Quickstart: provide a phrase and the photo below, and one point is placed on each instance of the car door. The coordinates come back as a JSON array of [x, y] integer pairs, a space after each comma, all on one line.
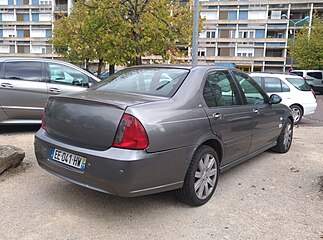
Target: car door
[[267, 118], [229, 119], [23, 93], [64, 79], [274, 85]]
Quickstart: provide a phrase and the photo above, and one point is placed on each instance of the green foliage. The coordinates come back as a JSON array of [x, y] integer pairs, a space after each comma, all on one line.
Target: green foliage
[[122, 31], [307, 48]]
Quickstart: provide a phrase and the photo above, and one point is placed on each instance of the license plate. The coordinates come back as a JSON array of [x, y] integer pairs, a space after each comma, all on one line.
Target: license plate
[[68, 158]]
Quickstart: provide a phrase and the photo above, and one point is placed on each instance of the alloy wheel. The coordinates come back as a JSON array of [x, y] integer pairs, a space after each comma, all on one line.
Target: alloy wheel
[[296, 114], [205, 176], [287, 136]]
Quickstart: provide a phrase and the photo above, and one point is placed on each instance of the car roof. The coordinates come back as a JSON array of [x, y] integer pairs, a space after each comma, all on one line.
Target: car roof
[[307, 70], [279, 75], [183, 66], [3, 59]]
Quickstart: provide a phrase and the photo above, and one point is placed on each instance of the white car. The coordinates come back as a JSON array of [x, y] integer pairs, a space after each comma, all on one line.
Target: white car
[[294, 91]]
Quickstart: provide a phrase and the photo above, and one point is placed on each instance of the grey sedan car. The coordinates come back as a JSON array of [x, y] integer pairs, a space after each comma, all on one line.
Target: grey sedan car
[[26, 83], [150, 129]]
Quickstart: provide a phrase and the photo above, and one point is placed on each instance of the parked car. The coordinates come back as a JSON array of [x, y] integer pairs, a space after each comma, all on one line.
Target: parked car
[[150, 129], [313, 77], [293, 90], [104, 75], [26, 83]]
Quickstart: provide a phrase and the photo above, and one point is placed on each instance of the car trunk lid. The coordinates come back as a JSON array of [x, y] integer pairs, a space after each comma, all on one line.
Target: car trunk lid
[[89, 119]]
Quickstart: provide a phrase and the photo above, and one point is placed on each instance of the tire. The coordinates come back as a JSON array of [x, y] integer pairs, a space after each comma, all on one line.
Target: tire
[[285, 138], [297, 113], [198, 174]]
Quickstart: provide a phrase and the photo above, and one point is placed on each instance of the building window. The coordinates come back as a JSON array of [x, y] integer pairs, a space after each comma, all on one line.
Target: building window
[[210, 34], [246, 34]]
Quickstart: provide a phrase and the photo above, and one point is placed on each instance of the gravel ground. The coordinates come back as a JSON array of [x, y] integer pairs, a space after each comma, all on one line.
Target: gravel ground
[[272, 196]]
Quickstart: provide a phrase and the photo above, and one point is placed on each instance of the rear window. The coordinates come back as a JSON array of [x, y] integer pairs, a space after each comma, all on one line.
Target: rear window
[[299, 83], [149, 81], [298, 73], [317, 75]]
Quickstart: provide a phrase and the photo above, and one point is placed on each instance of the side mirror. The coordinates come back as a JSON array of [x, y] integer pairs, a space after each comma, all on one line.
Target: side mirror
[[90, 84], [275, 99]]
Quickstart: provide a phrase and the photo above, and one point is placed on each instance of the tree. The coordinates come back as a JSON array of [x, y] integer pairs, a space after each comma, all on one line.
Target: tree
[[122, 31], [307, 48]]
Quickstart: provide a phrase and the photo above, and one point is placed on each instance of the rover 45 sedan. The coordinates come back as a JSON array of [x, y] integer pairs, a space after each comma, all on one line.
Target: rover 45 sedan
[[154, 128]]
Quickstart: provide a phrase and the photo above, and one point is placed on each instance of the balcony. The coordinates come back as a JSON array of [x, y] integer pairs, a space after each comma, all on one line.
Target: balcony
[[60, 8]]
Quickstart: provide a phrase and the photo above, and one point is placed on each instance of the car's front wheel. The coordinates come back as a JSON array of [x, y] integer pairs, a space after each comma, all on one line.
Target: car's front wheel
[[201, 177]]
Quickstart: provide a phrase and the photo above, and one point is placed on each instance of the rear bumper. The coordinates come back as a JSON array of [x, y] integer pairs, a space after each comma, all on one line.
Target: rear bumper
[[309, 108], [120, 172]]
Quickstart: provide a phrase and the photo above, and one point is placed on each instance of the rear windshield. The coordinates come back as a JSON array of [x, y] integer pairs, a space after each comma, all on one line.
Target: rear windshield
[[149, 81], [298, 73], [299, 83]]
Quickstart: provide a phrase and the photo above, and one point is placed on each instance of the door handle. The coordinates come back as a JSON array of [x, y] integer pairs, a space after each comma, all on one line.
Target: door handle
[[217, 115], [255, 110], [6, 85], [55, 90]]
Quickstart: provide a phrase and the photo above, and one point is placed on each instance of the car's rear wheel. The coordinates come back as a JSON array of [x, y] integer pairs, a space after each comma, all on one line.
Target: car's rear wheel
[[297, 113], [285, 138], [201, 177]]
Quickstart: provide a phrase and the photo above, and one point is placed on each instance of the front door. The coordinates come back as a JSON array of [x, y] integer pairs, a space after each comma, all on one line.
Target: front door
[[64, 79], [267, 121], [229, 119]]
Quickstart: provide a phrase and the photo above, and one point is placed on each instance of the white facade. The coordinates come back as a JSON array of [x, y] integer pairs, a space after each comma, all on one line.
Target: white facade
[[8, 17], [209, 15], [4, 49], [257, 15], [9, 33], [38, 33], [3, 2], [45, 17]]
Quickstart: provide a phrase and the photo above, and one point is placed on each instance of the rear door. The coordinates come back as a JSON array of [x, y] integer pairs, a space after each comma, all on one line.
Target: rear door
[[315, 79], [229, 119], [274, 85], [23, 93], [64, 79], [267, 120]]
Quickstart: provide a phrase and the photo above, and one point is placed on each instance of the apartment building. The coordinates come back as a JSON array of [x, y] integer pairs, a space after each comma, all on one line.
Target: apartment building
[[27, 25], [253, 34]]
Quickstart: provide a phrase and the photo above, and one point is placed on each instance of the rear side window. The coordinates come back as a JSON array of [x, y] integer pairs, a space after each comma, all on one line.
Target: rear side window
[[298, 73], [317, 75], [257, 79], [273, 84], [23, 70], [219, 90], [149, 81], [299, 83], [61, 74]]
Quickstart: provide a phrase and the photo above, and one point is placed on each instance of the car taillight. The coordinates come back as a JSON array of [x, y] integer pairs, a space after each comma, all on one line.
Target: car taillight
[[313, 92], [131, 134], [43, 123]]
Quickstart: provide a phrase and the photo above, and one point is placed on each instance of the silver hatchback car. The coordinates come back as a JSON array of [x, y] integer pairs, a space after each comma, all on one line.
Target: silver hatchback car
[[157, 128], [26, 83]]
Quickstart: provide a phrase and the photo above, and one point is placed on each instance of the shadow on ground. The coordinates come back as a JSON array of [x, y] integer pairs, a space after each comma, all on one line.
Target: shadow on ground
[[12, 129]]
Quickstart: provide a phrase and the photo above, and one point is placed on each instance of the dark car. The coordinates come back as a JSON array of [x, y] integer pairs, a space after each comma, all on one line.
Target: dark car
[[26, 83], [158, 128]]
